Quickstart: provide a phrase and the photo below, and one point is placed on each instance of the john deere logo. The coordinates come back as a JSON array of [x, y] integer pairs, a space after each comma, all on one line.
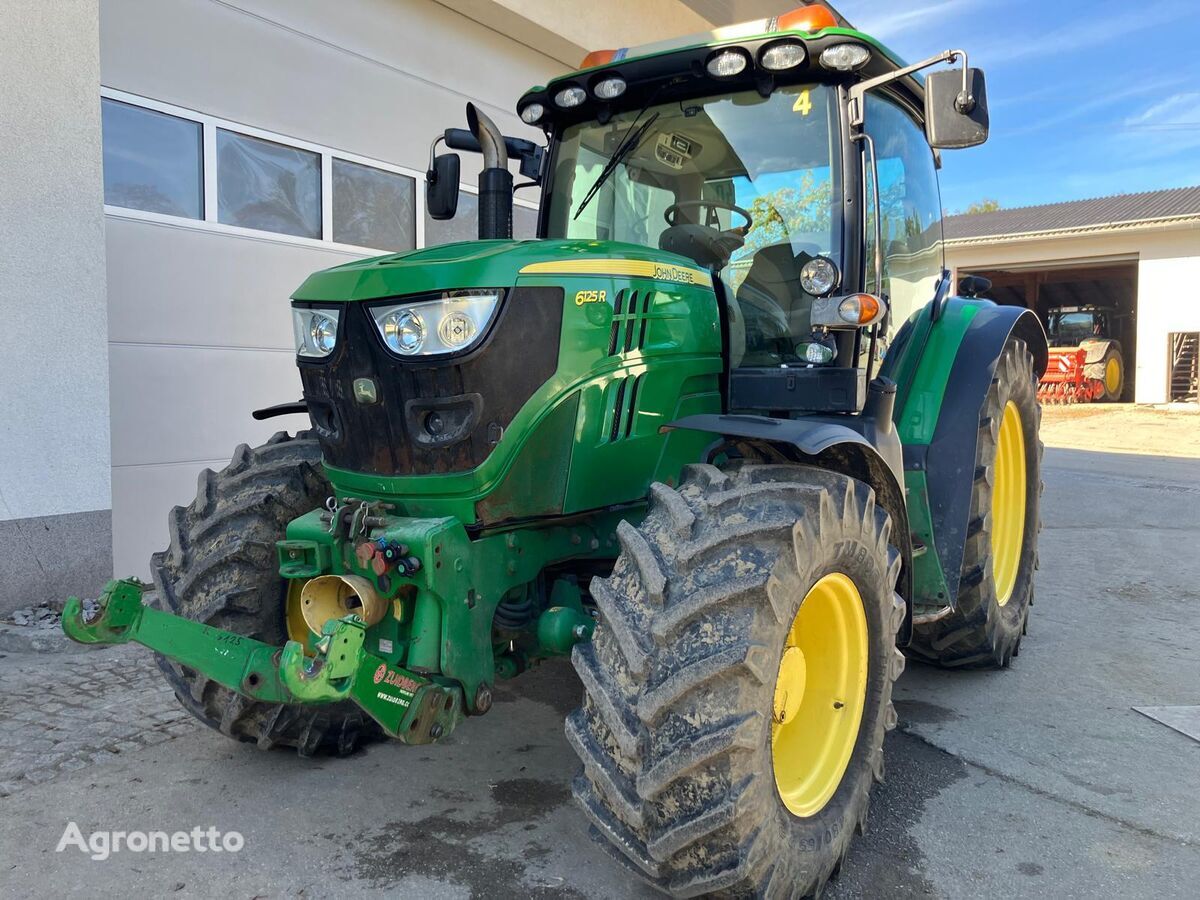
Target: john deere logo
[[673, 273], [590, 297], [364, 390]]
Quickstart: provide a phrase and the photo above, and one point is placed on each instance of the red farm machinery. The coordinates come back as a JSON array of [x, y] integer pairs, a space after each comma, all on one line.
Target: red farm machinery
[[1085, 363]]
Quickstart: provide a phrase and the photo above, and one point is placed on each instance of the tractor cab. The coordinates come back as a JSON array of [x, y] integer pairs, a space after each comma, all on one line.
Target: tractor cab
[[790, 158], [1070, 326]]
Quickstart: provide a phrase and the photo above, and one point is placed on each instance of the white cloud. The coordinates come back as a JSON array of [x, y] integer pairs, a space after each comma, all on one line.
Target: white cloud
[[893, 23], [1102, 25], [1178, 112], [1068, 107]]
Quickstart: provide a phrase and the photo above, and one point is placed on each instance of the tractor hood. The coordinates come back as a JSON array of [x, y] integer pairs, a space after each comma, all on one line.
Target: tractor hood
[[492, 264]]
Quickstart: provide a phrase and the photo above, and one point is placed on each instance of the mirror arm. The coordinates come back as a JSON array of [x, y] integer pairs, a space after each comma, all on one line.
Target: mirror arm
[[433, 152], [964, 102]]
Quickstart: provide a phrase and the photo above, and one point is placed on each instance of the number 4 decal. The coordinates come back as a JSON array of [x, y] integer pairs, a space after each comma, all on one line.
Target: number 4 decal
[[803, 104]]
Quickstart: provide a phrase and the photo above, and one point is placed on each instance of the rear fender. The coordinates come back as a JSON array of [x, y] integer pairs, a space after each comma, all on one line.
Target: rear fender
[[943, 369], [1098, 348], [857, 446]]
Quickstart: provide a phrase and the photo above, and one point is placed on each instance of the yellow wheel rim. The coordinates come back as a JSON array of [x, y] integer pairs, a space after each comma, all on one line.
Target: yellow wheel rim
[[820, 693], [297, 630], [1112, 375], [1008, 503]]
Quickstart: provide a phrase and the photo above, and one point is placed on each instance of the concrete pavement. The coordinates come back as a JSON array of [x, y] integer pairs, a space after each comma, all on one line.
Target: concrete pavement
[[1039, 781]]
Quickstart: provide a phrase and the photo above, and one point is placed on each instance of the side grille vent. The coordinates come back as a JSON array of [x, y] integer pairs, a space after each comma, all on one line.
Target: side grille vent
[[624, 408], [630, 318]]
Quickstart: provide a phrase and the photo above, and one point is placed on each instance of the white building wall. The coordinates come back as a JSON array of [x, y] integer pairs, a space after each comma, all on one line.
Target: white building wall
[[1168, 300], [200, 322], [1168, 260], [54, 441]]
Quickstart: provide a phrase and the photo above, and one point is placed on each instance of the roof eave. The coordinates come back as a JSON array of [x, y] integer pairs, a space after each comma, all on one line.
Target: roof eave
[[1157, 224]]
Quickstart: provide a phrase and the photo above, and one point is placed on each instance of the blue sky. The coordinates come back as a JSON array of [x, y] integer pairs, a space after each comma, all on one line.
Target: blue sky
[[1087, 98]]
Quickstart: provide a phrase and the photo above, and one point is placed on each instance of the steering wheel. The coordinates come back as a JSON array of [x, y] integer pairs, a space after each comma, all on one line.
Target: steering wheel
[[672, 212]]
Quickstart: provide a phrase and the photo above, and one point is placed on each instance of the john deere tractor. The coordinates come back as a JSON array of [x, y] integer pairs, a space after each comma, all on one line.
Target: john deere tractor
[[723, 433]]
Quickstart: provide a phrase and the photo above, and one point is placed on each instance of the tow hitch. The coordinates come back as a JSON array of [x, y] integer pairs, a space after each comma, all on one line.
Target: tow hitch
[[408, 706]]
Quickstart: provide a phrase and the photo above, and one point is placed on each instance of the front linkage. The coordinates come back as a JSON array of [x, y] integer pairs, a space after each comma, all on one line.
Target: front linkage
[[401, 611], [408, 706]]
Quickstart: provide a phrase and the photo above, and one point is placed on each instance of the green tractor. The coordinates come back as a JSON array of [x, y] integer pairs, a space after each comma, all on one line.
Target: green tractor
[[724, 434]]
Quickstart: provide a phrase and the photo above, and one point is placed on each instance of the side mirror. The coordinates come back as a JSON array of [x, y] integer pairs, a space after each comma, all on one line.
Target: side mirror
[[973, 285], [441, 186], [956, 114]]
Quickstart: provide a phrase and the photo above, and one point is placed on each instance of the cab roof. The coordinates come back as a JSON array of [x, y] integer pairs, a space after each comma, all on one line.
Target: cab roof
[[679, 64]]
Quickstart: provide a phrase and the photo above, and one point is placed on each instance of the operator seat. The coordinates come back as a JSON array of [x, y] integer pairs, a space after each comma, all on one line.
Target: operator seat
[[774, 304]]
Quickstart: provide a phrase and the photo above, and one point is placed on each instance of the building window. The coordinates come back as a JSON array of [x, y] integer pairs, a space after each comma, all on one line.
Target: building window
[[373, 208], [164, 160], [152, 161], [463, 227], [524, 223], [268, 186], [465, 224]]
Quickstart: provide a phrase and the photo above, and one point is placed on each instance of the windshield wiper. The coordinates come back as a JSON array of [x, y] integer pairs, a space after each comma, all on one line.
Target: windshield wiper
[[627, 146]]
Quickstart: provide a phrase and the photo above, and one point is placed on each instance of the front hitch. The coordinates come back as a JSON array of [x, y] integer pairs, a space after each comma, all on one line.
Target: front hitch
[[406, 705]]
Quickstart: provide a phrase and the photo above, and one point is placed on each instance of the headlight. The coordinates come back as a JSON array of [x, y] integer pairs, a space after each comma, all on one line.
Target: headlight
[[818, 276], [315, 330], [570, 96], [726, 63], [403, 331], [781, 56], [610, 88], [449, 324], [845, 57], [532, 113], [818, 350]]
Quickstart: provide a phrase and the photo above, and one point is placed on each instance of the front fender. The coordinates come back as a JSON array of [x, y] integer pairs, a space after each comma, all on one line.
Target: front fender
[[944, 369], [857, 446]]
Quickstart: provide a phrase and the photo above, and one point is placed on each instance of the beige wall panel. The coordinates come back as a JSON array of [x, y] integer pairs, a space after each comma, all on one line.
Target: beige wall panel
[[177, 285], [179, 404], [143, 496]]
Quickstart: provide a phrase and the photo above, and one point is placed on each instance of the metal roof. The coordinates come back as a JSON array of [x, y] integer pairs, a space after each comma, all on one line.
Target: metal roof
[[1078, 215]]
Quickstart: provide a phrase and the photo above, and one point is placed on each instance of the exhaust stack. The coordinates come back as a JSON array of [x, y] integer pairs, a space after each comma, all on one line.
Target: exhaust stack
[[495, 181]]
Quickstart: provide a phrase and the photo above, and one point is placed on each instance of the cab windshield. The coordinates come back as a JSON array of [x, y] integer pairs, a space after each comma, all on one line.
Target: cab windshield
[[766, 169], [1074, 327]]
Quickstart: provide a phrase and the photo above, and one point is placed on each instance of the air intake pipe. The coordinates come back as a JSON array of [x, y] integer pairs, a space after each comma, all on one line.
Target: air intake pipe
[[495, 181]]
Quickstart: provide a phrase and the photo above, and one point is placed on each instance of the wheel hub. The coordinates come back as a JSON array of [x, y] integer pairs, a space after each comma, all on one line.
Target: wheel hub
[[1112, 375], [789, 687], [820, 695], [1008, 503]]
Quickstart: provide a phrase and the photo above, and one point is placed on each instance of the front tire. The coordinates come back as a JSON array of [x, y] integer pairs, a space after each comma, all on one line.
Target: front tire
[[221, 569], [985, 627], [685, 772]]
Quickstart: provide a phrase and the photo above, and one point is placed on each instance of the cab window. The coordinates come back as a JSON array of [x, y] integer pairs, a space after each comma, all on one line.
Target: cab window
[[753, 178], [910, 210]]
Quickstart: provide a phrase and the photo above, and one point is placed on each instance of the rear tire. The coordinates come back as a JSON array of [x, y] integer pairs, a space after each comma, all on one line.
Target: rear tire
[[676, 730], [221, 569], [1110, 371], [984, 629]]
